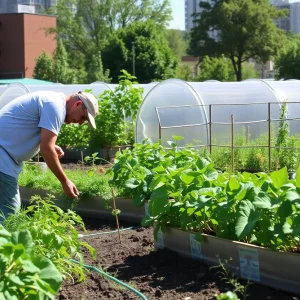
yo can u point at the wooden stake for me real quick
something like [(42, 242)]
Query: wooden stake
[(115, 208)]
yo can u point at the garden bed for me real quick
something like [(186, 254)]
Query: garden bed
[(160, 274)]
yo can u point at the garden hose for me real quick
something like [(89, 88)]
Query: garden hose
[(107, 232), (112, 278), (102, 272)]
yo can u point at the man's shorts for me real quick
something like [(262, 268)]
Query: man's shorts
[(9, 195)]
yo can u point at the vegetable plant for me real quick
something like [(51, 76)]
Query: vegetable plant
[(23, 274), (117, 113), (54, 234)]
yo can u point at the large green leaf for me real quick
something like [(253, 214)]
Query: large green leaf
[(186, 179), (23, 237), (233, 184), (262, 200), (158, 201), (247, 217), (284, 210), (49, 273), (279, 177), (132, 183)]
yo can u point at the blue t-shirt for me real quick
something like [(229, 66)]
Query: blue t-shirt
[(21, 121)]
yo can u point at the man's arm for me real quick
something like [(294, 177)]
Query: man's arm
[(48, 150)]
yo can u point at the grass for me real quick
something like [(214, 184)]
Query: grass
[(88, 183)]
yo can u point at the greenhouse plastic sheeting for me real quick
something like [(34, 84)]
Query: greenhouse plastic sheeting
[(176, 107), (11, 92), (15, 90)]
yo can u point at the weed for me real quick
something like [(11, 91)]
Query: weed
[(229, 278)]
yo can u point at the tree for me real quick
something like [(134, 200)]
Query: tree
[(94, 21), (176, 42), (287, 62), (95, 70), (125, 12), (216, 68), (141, 47), (184, 72), (43, 67), (220, 68), (238, 29), (62, 72)]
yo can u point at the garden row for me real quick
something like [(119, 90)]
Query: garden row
[(195, 209), (37, 245)]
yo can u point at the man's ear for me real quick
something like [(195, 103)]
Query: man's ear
[(77, 103)]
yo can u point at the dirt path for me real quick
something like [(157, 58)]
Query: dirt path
[(157, 274)]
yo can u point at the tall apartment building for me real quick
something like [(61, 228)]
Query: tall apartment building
[(295, 17), (191, 7)]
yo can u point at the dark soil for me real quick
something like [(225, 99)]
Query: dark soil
[(160, 274)]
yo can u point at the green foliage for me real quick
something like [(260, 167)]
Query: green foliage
[(88, 185), (117, 110), (74, 135), (221, 69), (237, 29), (62, 72), (23, 273), (92, 28), (95, 70), (284, 156), (43, 67), (151, 52), (227, 296), (217, 69), (176, 41), (184, 72), (186, 191), (54, 234), (57, 70), (287, 62)]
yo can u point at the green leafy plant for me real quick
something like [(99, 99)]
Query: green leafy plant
[(89, 183), (23, 274), (229, 278), (54, 234), (227, 296), (117, 113)]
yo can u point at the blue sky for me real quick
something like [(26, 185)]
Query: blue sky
[(178, 15)]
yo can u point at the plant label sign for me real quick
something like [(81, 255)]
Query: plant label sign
[(195, 248), (249, 263)]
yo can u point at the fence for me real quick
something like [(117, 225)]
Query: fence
[(233, 116)]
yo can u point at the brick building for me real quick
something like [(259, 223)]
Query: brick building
[(22, 39)]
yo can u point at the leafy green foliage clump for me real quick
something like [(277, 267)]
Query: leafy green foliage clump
[(185, 190), (54, 234), (88, 184), (117, 113), (237, 29), (23, 273)]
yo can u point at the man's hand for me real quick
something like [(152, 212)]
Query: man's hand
[(70, 189), (60, 153)]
